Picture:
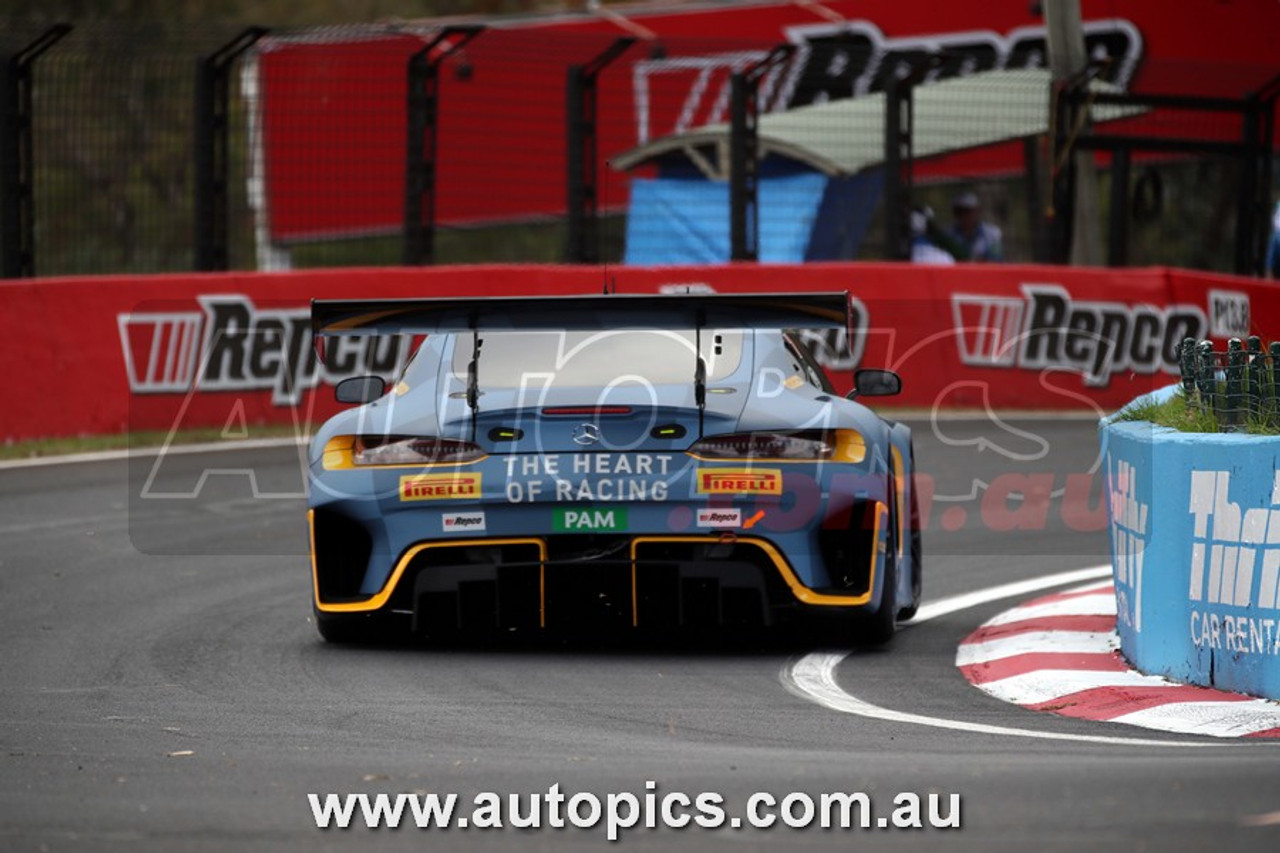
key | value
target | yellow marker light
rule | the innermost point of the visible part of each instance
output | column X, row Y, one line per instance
column 850, row 446
column 337, row 453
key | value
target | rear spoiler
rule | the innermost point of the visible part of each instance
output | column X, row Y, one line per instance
column 581, row 313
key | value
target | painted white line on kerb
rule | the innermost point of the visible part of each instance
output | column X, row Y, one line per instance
column 813, row 677
column 1217, row 719
column 144, row 452
column 1037, row 642
column 1042, row 685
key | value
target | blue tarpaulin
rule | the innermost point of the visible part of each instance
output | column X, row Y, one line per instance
column 681, row 217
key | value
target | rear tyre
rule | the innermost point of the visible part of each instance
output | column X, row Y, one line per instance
column 878, row 628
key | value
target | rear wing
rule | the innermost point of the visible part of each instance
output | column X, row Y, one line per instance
column 581, row 313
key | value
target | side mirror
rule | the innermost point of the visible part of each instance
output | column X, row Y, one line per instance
column 360, row 389
column 875, row 383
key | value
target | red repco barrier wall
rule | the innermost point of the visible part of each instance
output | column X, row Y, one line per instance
column 104, row 355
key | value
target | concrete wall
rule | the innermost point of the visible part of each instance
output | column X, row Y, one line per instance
column 1195, row 534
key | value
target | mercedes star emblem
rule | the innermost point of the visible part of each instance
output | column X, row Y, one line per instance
column 585, row 434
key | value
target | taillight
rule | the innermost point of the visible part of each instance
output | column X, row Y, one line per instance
column 840, row 445
column 360, row 450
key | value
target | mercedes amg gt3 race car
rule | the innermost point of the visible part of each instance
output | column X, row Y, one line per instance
column 608, row 462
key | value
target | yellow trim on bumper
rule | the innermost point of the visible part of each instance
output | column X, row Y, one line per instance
column 802, row 593
column 900, row 498
column 382, row 596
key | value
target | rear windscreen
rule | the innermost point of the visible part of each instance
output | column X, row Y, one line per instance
column 591, row 359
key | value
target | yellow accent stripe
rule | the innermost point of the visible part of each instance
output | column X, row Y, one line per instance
column 311, row 537
column 875, row 549
column 376, row 601
column 798, row 589
column 900, row 498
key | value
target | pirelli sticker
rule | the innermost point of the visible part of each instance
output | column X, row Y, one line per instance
column 439, row 487
column 739, row 481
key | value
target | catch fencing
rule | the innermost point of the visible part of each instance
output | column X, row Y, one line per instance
column 1239, row 387
column 130, row 148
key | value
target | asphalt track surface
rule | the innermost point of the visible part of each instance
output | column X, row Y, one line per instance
column 162, row 688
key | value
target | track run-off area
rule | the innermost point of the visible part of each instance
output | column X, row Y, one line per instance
column 164, row 688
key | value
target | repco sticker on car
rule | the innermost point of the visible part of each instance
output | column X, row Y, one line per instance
column 569, row 520
column 719, row 518
column 735, row 481
column 435, row 487
column 463, row 521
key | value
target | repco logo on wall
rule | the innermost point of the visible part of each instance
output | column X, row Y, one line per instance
column 849, row 58
column 232, row 345
column 1046, row 328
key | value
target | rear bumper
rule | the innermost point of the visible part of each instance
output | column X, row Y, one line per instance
column 624, row 581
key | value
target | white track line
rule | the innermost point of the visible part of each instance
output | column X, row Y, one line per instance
column 812, row 677
column 144, row 452
column 956, row 603
column 1108, row 584
column 1096, row 604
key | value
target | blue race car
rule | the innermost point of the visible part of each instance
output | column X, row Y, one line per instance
column 605, row 462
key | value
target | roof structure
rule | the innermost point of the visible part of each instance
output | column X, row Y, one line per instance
column 846, row 136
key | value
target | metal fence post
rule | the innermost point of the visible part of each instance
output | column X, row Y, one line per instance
column 1062, row 171
column 1187, row 366
column 17, row 172
column 1206, row 376
column 743, row 145
column 1034, row 171
column 212, row 220
column 1235, row 381
column 1248, row 260
column 744, row 159
column 1275, row 378
column 1254, row 199
column 1118, row 230
column 423, row 104
column 897, row 152
column 582, row 203
column 1254, row 375
column 899, row 156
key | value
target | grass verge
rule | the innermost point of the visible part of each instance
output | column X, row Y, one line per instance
column 1177, row 413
